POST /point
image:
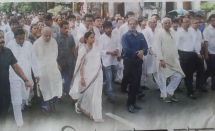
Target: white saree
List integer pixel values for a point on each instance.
(90, 96)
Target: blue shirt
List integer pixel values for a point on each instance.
(201, 27)
(113, 24)
(131, 44)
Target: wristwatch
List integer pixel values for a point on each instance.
(25, 80)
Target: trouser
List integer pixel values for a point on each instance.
(175, 80)
(45, 104)
(200, 73)
(206, 74)
(67, 74)
(17, 110)
(187, 62)
(5, 100)
(133, 71)
(144, 72)
(155, 76)
(211, 71)
(110, 72)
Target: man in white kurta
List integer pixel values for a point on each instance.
(10, 35)
(50, 84)
(150, 34)
(168, 62)
(27, 59)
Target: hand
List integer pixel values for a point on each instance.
(140, 54)
(83, 83)
(59, 68)
(162, 63)
(37, 79)
(82, 39)
(28, 85)
(90, 28)
(119, 58)
(200, 56)
(150, 51)
(206, 57)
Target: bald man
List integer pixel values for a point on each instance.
(50, 85)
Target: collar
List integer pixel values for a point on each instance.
(184, 29)
(130, 33)
(60, 35)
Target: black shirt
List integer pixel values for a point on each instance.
(31, 39)
(6, 59)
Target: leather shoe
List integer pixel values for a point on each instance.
(192, 96)
(131, 108)
(137, 107)
(145, 87)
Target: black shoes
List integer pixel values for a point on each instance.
(192, 97)
(131, 108)
(140, 96)
(144, 87)
(137, 107)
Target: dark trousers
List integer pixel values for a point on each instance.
(200, 72)
(5, 100)
(210, 70)
(67, 74)
(187, 62)
(132, 71)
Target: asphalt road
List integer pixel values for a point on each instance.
(155, 114)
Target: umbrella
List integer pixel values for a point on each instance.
(178, 12)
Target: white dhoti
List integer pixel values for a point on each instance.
(119, 74)
(144, 72)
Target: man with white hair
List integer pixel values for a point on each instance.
(150, 34)
(50, 84)
(133, 60)
(168, 62)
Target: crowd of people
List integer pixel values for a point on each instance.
(82, 56)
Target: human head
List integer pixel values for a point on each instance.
(132, 24)
(63, 16)
(117, 16)
(19, 35)
(64, 27)
(98, 21)
(71, 18)
(40, 15)
(34, 28)
(78, 18)
(13, 23)
(152, 23)
(4, 19)
(185, 23)
(40, 25)
(107, 14)
(54, 18)
(166, 22)
(156, 16)
(88, 20)
(89, 37)
(58, 20)
(142, 21)
(195, 23)
(192, 15)
(29, 19)
(119, 22)
(211, 20)
(48, 20)
(21, 22)
(2, 41)
(129, 15)
(46, 34)
(175, 24)
(107, 27)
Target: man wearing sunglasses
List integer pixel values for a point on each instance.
(39, 17)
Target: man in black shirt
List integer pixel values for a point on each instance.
(6, 59)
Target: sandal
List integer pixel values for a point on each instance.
(52, 105)
(45, 112)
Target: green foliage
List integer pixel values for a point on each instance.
(57, 9)
(22, 7)
(4, 7)
(207, 7)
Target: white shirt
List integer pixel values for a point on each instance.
(7, 26)
(82, 30)
(3, 28)
(184, 40)
(8, 36)
(197, 39)
(174, 30)
(122, 30)
(108, 44)
(209, 36)
(35, 20)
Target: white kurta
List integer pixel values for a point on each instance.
(150, 37)
(8, 37)
(27, 60)
(50, 80)
(167, 50)
(91, 94)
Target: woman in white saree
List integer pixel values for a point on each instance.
(86, 86)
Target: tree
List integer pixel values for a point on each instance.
(6, 6)
(207, 7)
(22, 7)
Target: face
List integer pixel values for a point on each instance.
(4, 19)
(40, 15)
(21, 23)
(90, 39)
(47, 35)
(59, 21)
(23, 20)
(119, 23)
(29, 18)
(212, 21)
(1, 39)
(195, 24)
(108, 30)
(58, 16)
(13, 25)
(186, 23)
(72, 20)
(132, 25)
(175, 25)
(129, 16)
(40, 24)
(88, 21)
(78, 19)
(65, 29)
(34, 30)
(98, 23)
(117, 16)
(144, 22)
(166, 24)
(153, 23)
(48, 22)
(63, 17)
(20, 39)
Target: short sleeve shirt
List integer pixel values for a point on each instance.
(65, 56)
(6, 59)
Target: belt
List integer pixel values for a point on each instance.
(132, 59)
